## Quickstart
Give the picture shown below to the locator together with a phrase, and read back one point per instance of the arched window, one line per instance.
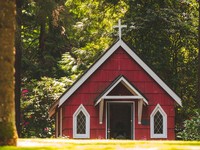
(158, 123)
(81, 123)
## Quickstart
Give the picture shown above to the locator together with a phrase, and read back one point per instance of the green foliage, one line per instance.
(76, 28)
(191, 128)
(91, 31)
(165, 35)
(43, 37)
(59, 38)
(37, 97)
(63, 38)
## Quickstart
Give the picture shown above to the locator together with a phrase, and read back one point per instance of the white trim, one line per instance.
(123, 97)
(152, 74)
(88, 73)
(153, 135)
(136, 94)
(133, 119)
(101, 110)
(57, 124)
(140, 108)
(61, 122)
(65, 96)
(75, 134)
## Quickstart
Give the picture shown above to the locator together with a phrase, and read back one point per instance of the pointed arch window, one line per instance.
(81, 123)
(158, 120)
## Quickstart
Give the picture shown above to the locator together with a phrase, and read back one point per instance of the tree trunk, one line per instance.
(8, 135)
(42, 40)
(18, 66)
(198, 91)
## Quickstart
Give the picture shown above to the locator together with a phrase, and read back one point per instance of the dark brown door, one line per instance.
(120, 123)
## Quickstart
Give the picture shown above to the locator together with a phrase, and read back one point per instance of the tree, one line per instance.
(63, 38)
(43, 37)
(8, 135)
(59, 39)
(18, 56)
(165, 35)
(198, 91)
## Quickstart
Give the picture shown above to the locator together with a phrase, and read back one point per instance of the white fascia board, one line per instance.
(89, 72)
(104, 58)
(123, 97)
(134, 90)
(151, 73)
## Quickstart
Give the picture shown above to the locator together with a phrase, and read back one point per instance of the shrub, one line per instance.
(37, 97)
(191, 127)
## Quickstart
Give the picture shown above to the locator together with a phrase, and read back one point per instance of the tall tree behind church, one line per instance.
(165, 34)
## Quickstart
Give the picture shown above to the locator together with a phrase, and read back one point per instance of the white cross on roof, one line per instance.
(119, 26)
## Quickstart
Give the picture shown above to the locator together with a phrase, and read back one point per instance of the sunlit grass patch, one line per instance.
(66, 144)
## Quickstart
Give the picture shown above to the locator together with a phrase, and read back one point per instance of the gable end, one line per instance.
(121, 79)
(103, 58)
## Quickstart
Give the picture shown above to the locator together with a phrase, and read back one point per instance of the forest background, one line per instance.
(57, 40)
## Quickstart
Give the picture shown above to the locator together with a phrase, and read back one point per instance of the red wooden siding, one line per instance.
(120, 63)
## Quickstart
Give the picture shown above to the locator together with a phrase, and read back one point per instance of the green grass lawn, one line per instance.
(65, 144)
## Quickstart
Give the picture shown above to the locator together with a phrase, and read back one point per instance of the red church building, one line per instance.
(118, 97)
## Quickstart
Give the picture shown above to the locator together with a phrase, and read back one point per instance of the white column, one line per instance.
(101, 105)
(140, 107)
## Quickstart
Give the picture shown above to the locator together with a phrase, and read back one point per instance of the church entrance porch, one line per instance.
(120, 120)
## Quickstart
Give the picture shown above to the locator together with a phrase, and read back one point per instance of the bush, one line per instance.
(191, 129)
(37, 97)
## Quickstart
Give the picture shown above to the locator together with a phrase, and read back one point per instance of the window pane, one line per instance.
(81, 123)
(158, 123)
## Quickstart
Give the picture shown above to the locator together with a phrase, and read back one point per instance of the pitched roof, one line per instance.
(121, 79)
(103, 58)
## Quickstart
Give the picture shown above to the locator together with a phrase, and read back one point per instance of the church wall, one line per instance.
(120, 63)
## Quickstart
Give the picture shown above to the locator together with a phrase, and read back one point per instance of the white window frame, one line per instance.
(162, 112)
(75, 134)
